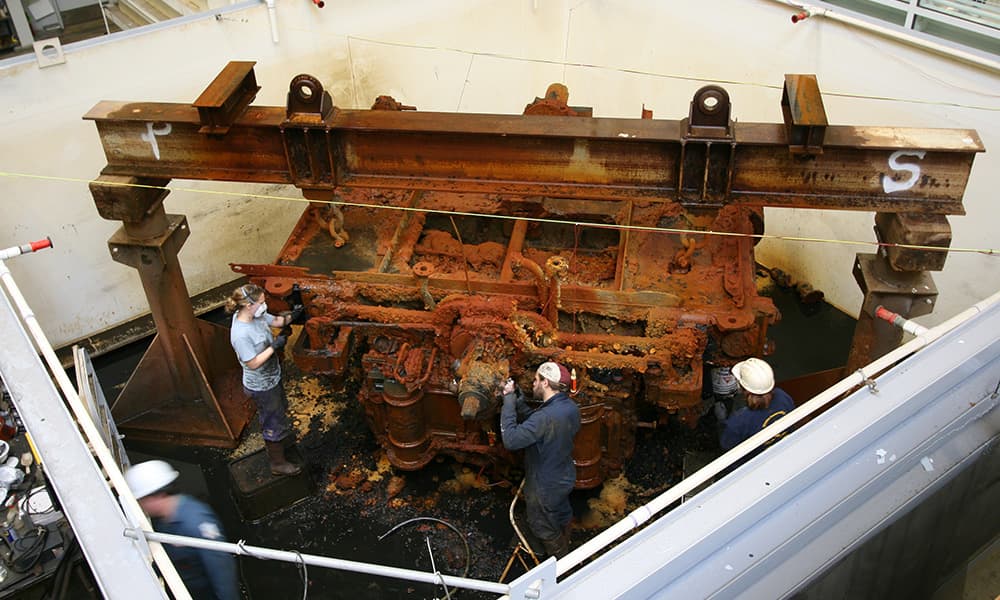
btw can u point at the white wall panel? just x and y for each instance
(472, 56)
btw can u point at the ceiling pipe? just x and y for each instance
(272, 17)
(809, 10)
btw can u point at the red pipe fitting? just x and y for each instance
(801, 16)
(884, 313)
(25, 248)
(41, 244)
(899, 321)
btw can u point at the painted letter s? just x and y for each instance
(889, 184)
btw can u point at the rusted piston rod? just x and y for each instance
(897, 320)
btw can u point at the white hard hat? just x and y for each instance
(149, 477)
(754, 375)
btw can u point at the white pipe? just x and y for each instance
(899, 321)
(92, 434)
(706, 473)
(272, 17)
(943, 49)
(25, 248)
(299, 558)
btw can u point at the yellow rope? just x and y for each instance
(786, 238)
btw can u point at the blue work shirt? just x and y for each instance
(208, 575)
(546, 435)
(745, 422)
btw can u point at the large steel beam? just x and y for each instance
(860, 168)
(705, 161)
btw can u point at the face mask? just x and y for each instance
(260, 310)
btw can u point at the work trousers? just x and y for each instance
(548, 510)
(272, 411)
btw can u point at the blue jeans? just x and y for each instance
(271, 411)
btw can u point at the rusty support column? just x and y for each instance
(187, 385)
(911, 294)
(897, 279)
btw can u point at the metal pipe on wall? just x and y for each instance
(886, 31)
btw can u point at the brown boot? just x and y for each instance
(559, 547)
(279, 465)
(288, 443)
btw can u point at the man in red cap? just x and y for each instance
(546, 435)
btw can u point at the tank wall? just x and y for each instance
(470, 56)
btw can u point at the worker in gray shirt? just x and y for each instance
(259, 353)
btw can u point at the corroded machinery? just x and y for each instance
(441, 253)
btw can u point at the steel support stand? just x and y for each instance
(187, 386)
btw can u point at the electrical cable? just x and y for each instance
(302, 569)
(619, 227)
(27, 503)
(644, 73)
(30, 555)
(468, 553)
(64, 570)
(517, 530)
(304, 574)
(434, 568)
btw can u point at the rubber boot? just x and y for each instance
(288, 442)
(276, 456)
(559, 547)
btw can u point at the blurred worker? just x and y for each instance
(765, 403)
(207, 574)
(259, 352)
(546, 435)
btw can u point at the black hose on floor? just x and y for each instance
(468, 553)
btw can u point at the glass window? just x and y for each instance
(24, 21)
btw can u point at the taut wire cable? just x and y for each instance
(620, 227)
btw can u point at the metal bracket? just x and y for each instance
(535, 582)
(227, 97)
(308, 102)
(805, 117)
(708, 116)
(916, 229)
(868, 381)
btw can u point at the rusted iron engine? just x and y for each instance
(444, 295)
(441, 253)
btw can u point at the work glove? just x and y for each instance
(279, 342)
(298, 311)
(720, 411)
(510, 392)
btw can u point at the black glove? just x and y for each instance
(510, 392)
(279, 342)
(298, 311)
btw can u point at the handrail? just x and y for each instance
(133, 512)
(860, 377)
(242, 549)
